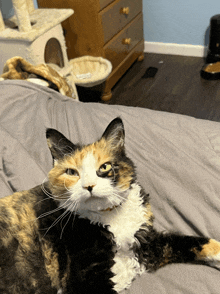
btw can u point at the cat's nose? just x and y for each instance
(89, 188)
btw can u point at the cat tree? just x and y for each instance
(36, 35)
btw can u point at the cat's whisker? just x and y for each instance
(55, 222)
(75, 212)
(62, 206)
(49, 212)
(72, 207)
(70, 214)
(47, 198)
(116, 195)
(53, 196)
(57, 197)
(62, 216)
(111, 202)
(47, 193)
(45, 180)
(65, 186)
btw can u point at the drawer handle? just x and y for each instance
(126, 41)
(125, 10)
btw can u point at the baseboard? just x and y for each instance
(175, 49)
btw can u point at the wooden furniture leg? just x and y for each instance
(106, 96)
(141, 57)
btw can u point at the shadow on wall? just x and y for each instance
(206, 42)
(206, 39)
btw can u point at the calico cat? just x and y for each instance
(89, 229)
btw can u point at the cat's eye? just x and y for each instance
(72, 172)
(106, 167)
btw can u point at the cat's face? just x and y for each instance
(95, 177)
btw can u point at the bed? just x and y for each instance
(177, 159)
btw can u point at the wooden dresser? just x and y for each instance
(112, 29)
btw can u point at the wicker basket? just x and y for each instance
(89, 71)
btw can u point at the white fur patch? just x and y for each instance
(126, 268)
(88, 173)
(124, 222)
(124, 225)
(127, 219)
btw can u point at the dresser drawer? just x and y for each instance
(117, 15)
(119, 47)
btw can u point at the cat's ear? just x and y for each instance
(59, 145)
(115, 133)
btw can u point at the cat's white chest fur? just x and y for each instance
(124, 222)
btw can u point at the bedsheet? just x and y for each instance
(177, 159)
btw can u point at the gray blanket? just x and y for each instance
(177, 159)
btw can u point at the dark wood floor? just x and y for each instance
(177, 87)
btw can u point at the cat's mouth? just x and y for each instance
(98, 205)
(110, 208)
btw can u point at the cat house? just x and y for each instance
(36, 35)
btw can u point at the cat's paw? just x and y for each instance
(210, 253)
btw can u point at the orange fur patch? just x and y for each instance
(125, 176)
(167, 255)
(209, 250)
(149, 215)
(51, 263)
(22, 225)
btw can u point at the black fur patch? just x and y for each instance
(144, 196)
(158, 249)
(88, 246)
